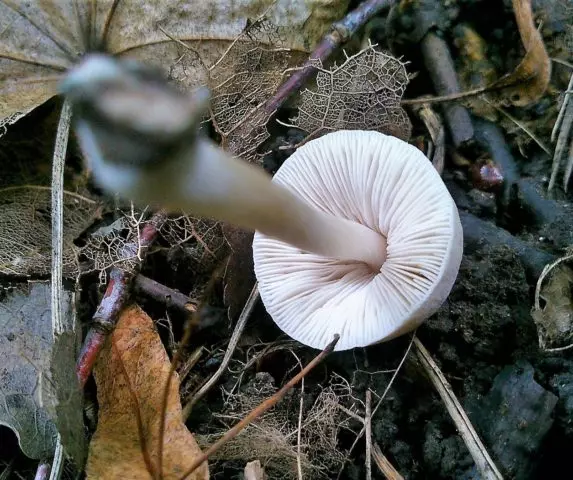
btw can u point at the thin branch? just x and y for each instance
(115, 297)
(483, 461)
(163, 294)
(368, 426)
(260, 409)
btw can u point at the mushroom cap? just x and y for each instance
(391, 187)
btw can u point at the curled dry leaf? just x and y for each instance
(40, 40)
(38, 398)
(131, 374)
(364, 93)
(25, 230)
(529, 81)
(553, 308)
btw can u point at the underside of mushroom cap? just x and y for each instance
(391, 187)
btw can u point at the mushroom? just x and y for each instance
(356, 234)
(390, 187)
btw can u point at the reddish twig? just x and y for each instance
(340, 33)
(260, 409)
(116, 296)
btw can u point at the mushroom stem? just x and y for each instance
(227, 189)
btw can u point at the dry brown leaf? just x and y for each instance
(41, 39)
(26, 230)
(115, 450)
(529, 81)
(554, 318)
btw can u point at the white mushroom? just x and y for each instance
(390, 187)
(356, 235)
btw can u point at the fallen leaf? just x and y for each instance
(364, 93)
(38, 375)
(554, 318)
(135, 349)
(529, 81)
(26, 230)
(40, 40)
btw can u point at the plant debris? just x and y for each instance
(131, 375)
(38, 399)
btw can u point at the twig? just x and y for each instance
(384, 465)
(340, 33)
(260, 409)
(163, 294)
(234, 340)
(478, 232)
(440, 66)
(115, 297)
(483, 461)
(351, 414)
(368, 426)
(390, 383)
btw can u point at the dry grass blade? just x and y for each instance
(484, 463)
(390, 383)
(523, 127)
(262, 408)
(234, 340)
(562, 141)
(387, 469)
(437, 133)
(57, 215)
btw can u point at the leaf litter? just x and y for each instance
(40, 395)
(131, 374)
(244, 100)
